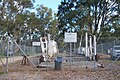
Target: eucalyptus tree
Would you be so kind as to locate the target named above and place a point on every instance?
(88, 15)
(44, 15)
(53, 28)
(13, 15)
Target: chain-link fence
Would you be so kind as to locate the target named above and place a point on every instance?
(18, 49)
(107, 47)
(11, 51)
(73, 58)
(29, 50)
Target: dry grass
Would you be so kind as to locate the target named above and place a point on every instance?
(26, 72)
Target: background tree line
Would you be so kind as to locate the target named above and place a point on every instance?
(23, 20)
(97, 17)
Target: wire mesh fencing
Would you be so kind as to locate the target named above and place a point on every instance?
(107, 47)
(71, 57)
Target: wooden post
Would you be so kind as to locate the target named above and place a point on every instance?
(25, 60)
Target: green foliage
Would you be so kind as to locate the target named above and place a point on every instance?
(87, 15)
(12, 13)
(46, 21)
(17, 19)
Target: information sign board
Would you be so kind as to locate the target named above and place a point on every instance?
(35, 43)
(70, 37)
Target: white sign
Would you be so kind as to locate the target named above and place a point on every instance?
(36, 43)
(70, 37)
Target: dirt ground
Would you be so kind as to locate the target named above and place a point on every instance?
(110, 71)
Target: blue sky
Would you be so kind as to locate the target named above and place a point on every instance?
(49, 3)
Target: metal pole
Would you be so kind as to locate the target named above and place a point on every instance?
(48, 49)
(86, 48)
(24, 53)
(7, 56)
(94, 50)
(86, 44)
(13, 53)
(91, 47)
(47, 55)
(74, 48)
(70, 54)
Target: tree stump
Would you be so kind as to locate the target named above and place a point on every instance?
(25, 60)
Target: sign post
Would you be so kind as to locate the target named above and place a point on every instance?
(69, 38)
(94, 50)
